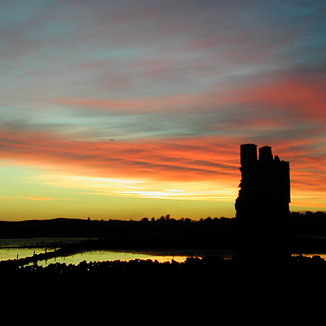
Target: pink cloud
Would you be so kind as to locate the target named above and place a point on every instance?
(271, 99)
(291, 95)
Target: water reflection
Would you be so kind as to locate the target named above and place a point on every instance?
(105, 255)
(26, 247)
(88, 256)
(22, 248)
(310, 255)
(17, 252)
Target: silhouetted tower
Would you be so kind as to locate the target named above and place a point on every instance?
(263, 205)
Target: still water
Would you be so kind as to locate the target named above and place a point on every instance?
(88, 256)
(105, 255)
(22, 248)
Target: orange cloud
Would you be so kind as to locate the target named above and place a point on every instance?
(214, 159)
(179, 159)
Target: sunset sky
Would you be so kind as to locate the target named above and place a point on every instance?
(133, 108)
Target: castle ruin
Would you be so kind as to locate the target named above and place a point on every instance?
(262, 206)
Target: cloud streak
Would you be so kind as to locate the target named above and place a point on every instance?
(170, 159)
(163, 90)
(206, 159)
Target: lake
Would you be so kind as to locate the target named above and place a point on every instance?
(105, 255)
(27, 247)
(90, 256)
(22, 248)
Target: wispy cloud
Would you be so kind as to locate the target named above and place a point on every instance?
(199, 160)
(169, 159)
(143, 188)
(163, 90)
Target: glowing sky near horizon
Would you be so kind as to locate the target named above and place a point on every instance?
(133, 108)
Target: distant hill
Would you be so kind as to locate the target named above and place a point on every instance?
(308, 230)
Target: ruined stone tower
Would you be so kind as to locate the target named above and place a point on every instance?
(263, 205)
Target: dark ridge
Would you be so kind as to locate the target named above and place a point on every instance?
(307, 231)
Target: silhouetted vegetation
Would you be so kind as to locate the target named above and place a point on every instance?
(308, 231)
(164, 232)
(263, 234)
(206, 266)
(301, 223)
(64, 227)
(308, 223)
(308, 234)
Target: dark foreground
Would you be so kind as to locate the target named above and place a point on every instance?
(203, 288)
(208, 289)
(192, 266)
